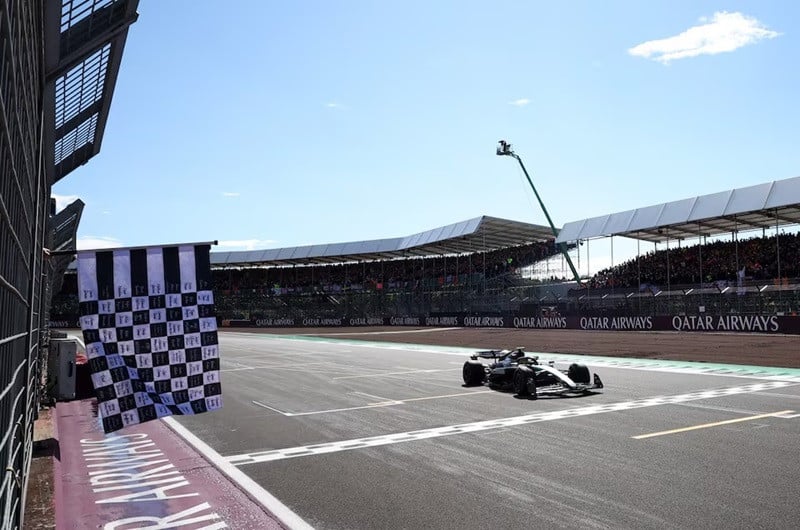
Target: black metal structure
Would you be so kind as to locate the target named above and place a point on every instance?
(58, 67)
(505, 149)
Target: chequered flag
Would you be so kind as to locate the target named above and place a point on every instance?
(150, 329)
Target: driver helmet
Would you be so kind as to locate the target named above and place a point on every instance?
(517, 353)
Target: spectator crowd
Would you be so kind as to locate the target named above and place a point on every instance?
(719, 261)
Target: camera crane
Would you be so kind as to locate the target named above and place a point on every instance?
(504, 149)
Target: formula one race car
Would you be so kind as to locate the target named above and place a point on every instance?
(515, 369)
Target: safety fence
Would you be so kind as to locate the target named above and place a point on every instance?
(24, 273)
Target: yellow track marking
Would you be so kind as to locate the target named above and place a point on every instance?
(715, 424)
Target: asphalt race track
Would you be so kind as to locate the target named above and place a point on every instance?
(361, 435)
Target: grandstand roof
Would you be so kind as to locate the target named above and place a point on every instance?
(480, 233)
(759, 206)
(64, 226)
(63, 238)
(84, 41)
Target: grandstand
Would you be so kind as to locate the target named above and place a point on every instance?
(457, 267)
(752, 272)
(479, 266)
(732, 266)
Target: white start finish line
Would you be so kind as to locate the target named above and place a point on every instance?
(373, 441)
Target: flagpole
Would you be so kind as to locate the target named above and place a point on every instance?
(142, 247)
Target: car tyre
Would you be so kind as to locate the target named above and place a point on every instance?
(524, 381)
(474, 373)
(579, 373)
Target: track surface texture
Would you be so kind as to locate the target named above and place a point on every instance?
(366, 433)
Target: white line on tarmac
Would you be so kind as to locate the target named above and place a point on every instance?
(392, 373)
(387, 439)
(258, 403)
(314, 412)
(425, 398)
(251, 488)
(379, 398)
(385, 402)
(292, 366)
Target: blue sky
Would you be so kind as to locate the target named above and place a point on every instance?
(267, 124)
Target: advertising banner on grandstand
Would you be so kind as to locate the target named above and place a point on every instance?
(150, 329)
(694, 323)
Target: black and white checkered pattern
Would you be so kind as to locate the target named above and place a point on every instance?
(150, 329)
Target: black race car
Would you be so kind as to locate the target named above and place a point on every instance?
(521, 372)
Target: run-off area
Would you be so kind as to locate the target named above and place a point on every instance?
(365, 435)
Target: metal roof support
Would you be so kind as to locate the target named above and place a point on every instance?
(669, 284)
(639, 272)
(73, 37)
(700, 253)
(778, 253)
(92, 32)
(735, 235)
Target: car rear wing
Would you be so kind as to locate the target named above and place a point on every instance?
(489, 354)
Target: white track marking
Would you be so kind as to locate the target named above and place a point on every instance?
(251, 488)
(345, 409)
(293, 365)
(381, 399)
(392, 373)
(425, 398)
(259, 404)
(385, 402)
(419, 381)
(237, 369)
(387, 439)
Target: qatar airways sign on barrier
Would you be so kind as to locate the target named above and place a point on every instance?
(751, 323)
(789, 324)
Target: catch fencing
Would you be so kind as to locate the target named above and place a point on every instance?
(24, 207)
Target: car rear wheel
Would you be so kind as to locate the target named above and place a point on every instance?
(524, 381)
(474, 373)
(579, 373)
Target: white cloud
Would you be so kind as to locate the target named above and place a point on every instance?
(724, 32)
(62, 201)
(244, 244)
(521, 102)
(334, 105)
(93, 242)
(230, 194)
